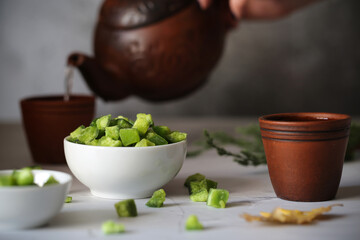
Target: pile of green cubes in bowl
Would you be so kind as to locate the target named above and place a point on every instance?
(123, 132)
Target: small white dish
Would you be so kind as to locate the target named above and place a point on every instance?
(24, 207)
(124, 172)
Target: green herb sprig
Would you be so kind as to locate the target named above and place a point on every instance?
(252, 155)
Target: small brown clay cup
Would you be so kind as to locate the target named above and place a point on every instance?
(47, 120)
(305, 153)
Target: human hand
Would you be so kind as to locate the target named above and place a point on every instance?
(261, 9)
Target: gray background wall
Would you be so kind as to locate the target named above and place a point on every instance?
(309, 61)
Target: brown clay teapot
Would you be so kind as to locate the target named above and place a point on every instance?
(156, 49)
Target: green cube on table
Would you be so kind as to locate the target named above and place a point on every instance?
(126, 208)
(217, 198)
(157, 199)
(198, 191)
(192, 178)
(192, 223)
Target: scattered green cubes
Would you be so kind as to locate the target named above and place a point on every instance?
(199, 190)
(199, 187)
(126, 208)
(144, 143)
(157, 200)
(217, 198)
(129, 136)
(111, 227)
(193, 223)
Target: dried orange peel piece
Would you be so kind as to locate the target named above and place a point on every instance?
(280, 215)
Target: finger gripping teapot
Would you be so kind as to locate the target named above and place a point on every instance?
(155, 49)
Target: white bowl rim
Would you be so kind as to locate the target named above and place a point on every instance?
(127, 148)
(35, 187)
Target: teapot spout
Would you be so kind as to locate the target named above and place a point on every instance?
(99, 81)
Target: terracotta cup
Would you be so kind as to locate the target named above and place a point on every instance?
(305, 153)
(48, 119)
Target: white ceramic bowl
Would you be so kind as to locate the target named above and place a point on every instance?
(32, 206)
(124, 172)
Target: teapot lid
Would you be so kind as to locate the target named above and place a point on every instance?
(129, 14)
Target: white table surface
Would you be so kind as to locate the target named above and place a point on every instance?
(250, 191)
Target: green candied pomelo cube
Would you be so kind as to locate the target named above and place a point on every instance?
(198, 191)
(126, 208)
(142, 125)
(122, 117)
(211, 184)
(155, 138)
(68, 199)
(94, 142)
(122, 123)
(176, 136)
(51, 180)
(163, 131)
(73, 140)
(109, 142)
(103, 122)
(93, 122)
(217, 198)
(144, 143)
(88, 134)
(77, 132)
(200, 196)
(111, 227)
(194, 177)
(129, 136)
(7, 180)
(148, 117)
(24, 177)
(192, 223)
(157, 199)
(112, 132)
